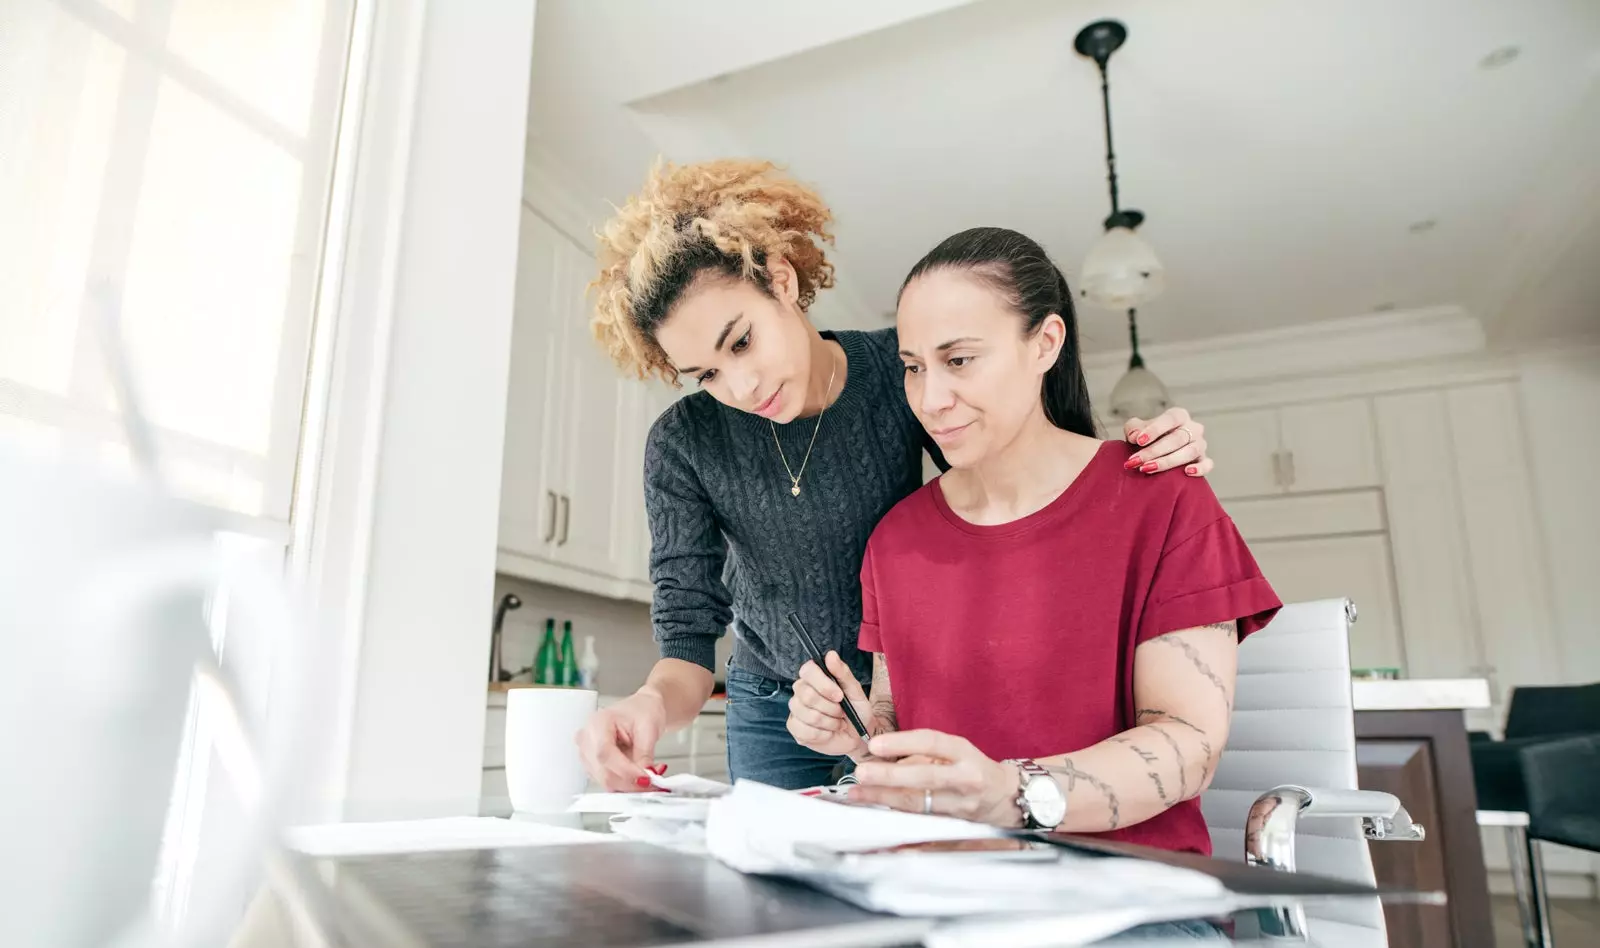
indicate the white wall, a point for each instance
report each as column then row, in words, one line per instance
column 1560, row 403
column 416, row 735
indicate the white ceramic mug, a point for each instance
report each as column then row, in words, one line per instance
column 543, row 769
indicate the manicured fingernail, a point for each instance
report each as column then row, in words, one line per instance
column 659, row 769
column 1144, row 439
column 642, row 782
column 1131, row 463
column 1191, row 470
column 1150, row 468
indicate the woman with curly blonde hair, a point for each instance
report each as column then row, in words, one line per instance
column 763, row 487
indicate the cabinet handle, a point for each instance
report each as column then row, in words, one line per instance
column 1277, row 468
column 550, row 516
column 566, row 519
column 1288, row 464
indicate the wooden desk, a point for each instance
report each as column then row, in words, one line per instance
column 1421, row 757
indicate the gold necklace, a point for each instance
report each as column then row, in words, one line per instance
column 794, row 479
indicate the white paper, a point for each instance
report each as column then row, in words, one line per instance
column 690, row 785
column 758, row 829
column 661, row 806
column 466, row 832
column 755, row 828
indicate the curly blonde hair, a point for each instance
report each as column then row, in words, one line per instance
column 728, row 217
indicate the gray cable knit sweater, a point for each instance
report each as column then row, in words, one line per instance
column 729, row 543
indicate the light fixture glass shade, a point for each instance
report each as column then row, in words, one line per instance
column 1121, row 270
column 1139, row 394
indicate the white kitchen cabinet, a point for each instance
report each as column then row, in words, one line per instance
column 1353, row 567
column 1245, row 445
column 1504, row 548
column 1425, row 530
column 646, row 402
column 1328, row 446
column 528, row 514
column 1319, row 446
column 566, row 424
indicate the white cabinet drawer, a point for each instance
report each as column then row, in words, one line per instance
column 1316, row 515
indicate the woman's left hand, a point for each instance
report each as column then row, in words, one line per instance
column 935, row 772
column 1170, row 439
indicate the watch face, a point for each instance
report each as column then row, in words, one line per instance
column 1046, row 801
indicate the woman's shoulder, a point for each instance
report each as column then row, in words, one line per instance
column 680, row 425
column 881, row 345
column 1174, row 497
column 906, row 520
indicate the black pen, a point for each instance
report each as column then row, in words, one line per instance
column 810, row 646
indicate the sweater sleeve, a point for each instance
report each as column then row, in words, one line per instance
column 691, row 607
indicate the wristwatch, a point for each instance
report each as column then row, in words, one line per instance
column 1042, row 801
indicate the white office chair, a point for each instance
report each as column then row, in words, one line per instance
column 1291, row 754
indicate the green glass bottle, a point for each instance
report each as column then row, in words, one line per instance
column 570, row 676
column 547, row 666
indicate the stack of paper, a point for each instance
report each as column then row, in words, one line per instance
column 675, row 816
column 764, row 830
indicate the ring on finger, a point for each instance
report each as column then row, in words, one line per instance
column 927, row 801
column 1185, row 430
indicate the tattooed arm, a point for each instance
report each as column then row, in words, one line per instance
column 1183, row 689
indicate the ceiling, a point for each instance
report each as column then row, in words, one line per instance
column 1296, row 161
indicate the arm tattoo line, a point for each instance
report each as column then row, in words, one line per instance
column 883, row 707
column 1151, row 760
column 1193, row 654
column 883, row 711
column 1205, row 743
column 1143, row 713
column 1183, row 766
column 1072, row 773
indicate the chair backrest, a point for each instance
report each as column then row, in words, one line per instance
column 1553, row 711
column 1294, row 723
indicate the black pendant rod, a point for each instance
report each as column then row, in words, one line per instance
column 1137, row 362
column 1098, row 41
column 1111, row 155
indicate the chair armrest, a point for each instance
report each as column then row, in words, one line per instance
column 1270, row 827
column 1355, row 804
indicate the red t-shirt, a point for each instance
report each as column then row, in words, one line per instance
column 1020, row 637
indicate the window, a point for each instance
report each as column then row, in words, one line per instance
column 176, row 154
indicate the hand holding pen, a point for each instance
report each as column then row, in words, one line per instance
column 817, row 715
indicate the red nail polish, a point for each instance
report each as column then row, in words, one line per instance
column 659, row 769
column 1144, row 439
column 642, row 782
column 1131, row 463
column 1150, row 468
column 1192, row 470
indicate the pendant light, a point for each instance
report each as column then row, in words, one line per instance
column 1121, row 270
column 1138, row 394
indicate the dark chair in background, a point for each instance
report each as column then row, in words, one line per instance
column 1542, row 782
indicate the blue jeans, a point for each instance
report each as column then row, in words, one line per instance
column 760, row 747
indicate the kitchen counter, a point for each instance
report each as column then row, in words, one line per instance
column 1411, row 741
column 1421, row 694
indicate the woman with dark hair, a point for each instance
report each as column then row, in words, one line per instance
column 1053, row 636
column 761, row 488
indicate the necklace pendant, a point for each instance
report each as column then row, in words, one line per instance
column 795, row 490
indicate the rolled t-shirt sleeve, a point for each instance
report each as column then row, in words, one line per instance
column 1206, row 573
column 871, row 638
column 691, row 606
